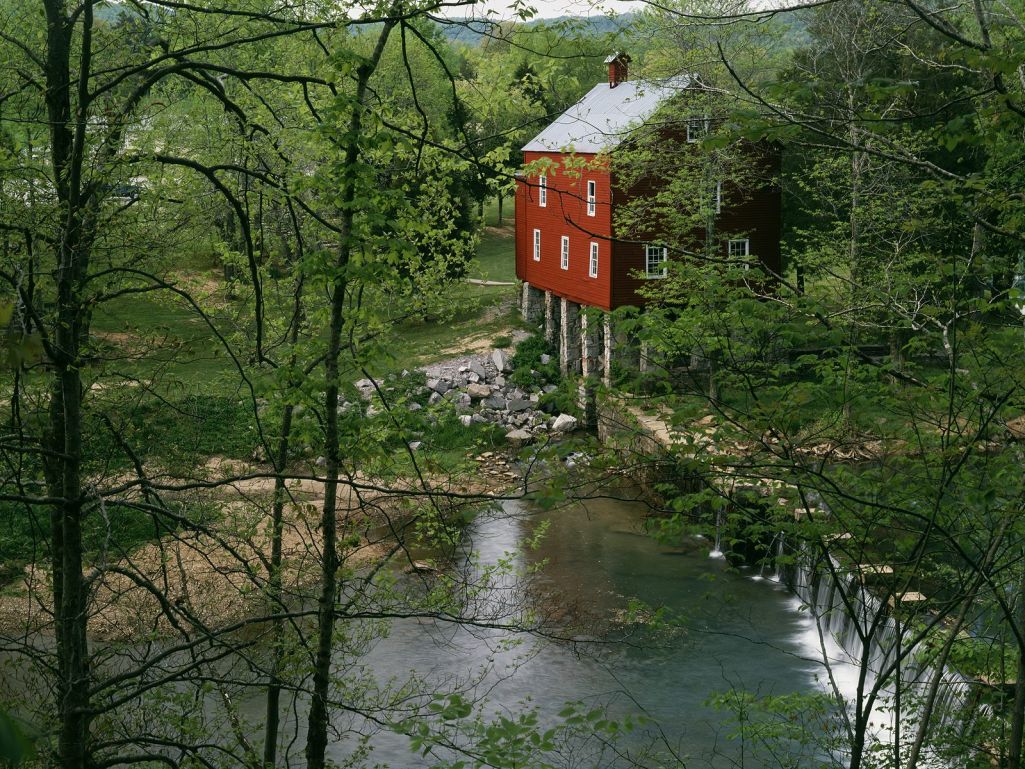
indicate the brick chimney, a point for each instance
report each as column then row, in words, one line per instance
column 618, row 68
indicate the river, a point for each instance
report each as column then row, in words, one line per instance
column 733, row 631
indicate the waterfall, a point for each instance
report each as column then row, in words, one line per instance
column 777, row 559
column 717, row 548
column 852, row 630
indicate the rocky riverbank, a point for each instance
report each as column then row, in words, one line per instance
column 479, row 390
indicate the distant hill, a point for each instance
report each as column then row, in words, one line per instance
column 470, row 32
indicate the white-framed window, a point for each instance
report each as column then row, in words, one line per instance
column 592, row 269
column 565, row 252
column 740, row 248
column 655, row 261
column 592, row 204
column 718, row 197
column 537, row 245
column 542, row 191
column 697, row 127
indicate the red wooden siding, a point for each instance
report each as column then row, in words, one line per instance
column 756, row 215
column 565, row 215
column 620, row 264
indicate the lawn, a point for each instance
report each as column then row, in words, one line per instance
column 496, row 255
column 156, row 336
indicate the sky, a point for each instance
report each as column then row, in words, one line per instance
column 547, row 9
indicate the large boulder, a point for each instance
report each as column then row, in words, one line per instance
column 439, row 385
column 519, row 437
column 495, row 401
column 478, row 391
column 564, row 423
column 519, row 404
column 501, row 361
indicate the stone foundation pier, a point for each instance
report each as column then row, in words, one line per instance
column 591, row 328
column 619, row 349
column 569, row 338
column 532, row 304
column 553, row 316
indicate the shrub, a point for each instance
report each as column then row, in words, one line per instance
column 527, row 359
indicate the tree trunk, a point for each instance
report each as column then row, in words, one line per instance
column 500, row 200
column 1018, row 712
column 64, row 435
column 273, row 709
column 274, row 586
column 317, row 721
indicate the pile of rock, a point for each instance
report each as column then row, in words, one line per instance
column 478, row 389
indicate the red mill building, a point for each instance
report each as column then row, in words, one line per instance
column 567, row 252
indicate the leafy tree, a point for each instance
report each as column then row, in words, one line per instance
column 875, row 397
column 133, row 145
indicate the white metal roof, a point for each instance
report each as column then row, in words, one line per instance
column 604, row 117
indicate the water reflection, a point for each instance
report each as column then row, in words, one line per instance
column 727, row 631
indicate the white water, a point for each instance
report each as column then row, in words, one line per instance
column 859, row 641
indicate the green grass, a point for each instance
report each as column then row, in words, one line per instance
column 151, row 336
column 496, row 255
column 485, row 311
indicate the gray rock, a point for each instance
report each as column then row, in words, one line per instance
column 478, row 368
column 499, row 381
column 501, row 361
column 439, row 385
column 435, row 397
column 478, row 391
column 495, row 401
column 473, row 377
column 321, row 461
column 413, row 406
column 466, row 420
column 519, row 437
column 365, row 384
column 517, row 395
column 564, row 423
column 545, row 359
column 415, row 445
column 550, row 388
column 478, row 419
column 519, row 404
